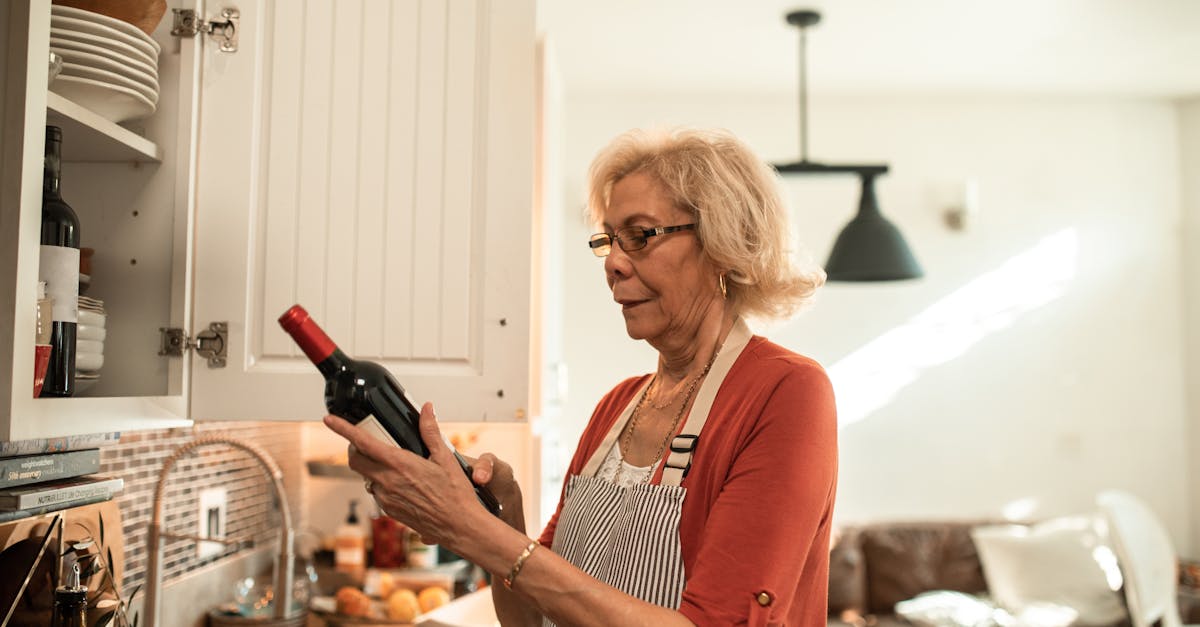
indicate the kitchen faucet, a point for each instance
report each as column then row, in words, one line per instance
column 287, row 557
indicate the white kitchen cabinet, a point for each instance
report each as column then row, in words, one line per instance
column 369, row 159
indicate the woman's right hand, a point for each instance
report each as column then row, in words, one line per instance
column 492, row 472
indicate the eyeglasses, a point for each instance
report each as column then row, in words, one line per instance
column 630, row 238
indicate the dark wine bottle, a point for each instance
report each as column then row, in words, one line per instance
column 366, row 394
column 59, row 268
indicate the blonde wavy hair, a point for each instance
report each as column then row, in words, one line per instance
column 741, row 220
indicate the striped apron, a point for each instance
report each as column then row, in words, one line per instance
column 628, row 537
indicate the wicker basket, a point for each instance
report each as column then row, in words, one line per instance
column 144, row 14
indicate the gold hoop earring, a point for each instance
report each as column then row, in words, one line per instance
column 721, row 282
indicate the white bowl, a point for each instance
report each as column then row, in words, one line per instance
column 112, row 23
column 144, row 88
column 88, row 362
column 91, row 318
column 66, row 48
column 111, row 102
column 55, row 63
column 115, row 46
column 143, row 44
column 124, row 68
column 89, row 346
column 85, row 380
column 90, row 332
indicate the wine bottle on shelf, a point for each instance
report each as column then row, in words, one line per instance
column 59, row 268
column 365, row 393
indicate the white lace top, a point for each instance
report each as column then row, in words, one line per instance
column 616, row 470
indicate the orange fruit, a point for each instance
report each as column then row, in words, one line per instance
column 387, row 585
column 352, row 602
column 432, row 598
column 402, row 605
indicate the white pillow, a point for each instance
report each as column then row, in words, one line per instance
column 946, row 608
column 1058, row 562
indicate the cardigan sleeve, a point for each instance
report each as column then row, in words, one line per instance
column 766, row 537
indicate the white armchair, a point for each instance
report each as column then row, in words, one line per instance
column 1147, row 559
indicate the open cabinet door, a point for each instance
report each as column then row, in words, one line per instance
column 372, row 161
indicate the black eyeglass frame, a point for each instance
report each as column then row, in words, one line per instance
column 629, row 242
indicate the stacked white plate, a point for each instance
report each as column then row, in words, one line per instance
column 89, row 342
column 109, row 66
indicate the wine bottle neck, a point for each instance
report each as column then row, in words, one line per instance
column 336, row 361
column 52, row 168
column 311, row 339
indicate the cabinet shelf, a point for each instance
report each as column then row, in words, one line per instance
column 94, row 138
column 327, row 468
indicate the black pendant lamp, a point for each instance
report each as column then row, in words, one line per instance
column 869, row 248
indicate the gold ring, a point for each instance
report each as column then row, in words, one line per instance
column 368, row 485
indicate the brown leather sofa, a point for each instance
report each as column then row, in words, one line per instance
column 872, row 567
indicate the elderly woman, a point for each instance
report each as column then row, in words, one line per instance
column 701, row 493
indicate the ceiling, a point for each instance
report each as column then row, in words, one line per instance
column 1145, row 48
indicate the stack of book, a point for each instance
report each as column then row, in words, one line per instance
column 35, row 484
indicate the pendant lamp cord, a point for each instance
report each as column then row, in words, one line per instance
column 803, row 97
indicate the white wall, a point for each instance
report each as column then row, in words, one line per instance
column 1189, row 123
column 1041, row 392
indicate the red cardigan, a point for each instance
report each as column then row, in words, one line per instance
column 760, row 493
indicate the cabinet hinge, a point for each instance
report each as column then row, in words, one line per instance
column 209, row 343
column 225, row 30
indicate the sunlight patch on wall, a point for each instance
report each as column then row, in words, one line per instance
column 870, row 377
column 1020, row 509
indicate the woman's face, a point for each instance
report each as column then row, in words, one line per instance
column 667, row 288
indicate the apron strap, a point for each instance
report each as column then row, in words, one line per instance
column 678, row 461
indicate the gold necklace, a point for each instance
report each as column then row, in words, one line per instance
column 637, row 413
column 671, row 398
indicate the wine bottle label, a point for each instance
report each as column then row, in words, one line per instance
column 349, row 556
column 58, row 266
column 371, row 425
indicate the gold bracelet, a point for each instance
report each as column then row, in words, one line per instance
column 519, row 564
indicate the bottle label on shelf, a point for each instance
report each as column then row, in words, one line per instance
column 420, row 555
column 349, row 554
column 59, row 268
column 371, row 425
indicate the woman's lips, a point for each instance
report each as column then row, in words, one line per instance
column 626, row 305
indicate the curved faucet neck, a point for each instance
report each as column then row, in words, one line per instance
column 284, row 567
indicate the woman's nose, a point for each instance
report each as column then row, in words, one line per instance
column 616, row 264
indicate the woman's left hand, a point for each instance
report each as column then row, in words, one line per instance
column 428, row 495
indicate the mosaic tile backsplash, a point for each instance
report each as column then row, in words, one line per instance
column 251, row 510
